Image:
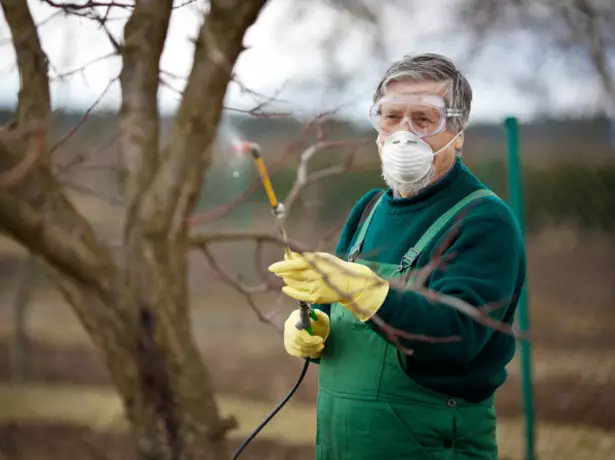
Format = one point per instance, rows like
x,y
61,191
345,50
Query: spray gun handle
x,y
305,314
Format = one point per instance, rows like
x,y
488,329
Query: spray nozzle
x,y
247,147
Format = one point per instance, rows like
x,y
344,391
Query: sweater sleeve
x,y
486,266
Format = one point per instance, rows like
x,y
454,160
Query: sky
x,y
285,56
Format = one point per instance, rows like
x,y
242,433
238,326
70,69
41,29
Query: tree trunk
x,y
136,312
165,388
173,413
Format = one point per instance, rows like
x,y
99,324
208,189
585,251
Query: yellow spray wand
x,y
277,209
306,311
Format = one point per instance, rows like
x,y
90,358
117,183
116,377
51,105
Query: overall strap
x,y
363,225
415,251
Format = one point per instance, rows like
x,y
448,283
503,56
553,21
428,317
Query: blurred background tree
x,y
579,33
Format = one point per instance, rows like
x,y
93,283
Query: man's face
x,y
447,156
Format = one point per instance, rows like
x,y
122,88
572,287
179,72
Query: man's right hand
x,y
300,343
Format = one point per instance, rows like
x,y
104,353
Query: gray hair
x,y
437,68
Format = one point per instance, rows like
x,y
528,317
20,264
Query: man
x,y
377,400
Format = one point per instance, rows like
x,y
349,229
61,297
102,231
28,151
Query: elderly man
x,y
376,400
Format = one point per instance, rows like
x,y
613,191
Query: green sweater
x,y
487,267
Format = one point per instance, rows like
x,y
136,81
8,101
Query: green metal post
x,y
515,198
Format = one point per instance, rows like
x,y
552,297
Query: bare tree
x,y
136,312
581,30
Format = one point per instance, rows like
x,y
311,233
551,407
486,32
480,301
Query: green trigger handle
x,y
306,312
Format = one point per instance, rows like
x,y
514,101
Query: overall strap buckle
x,y
435,228
408,259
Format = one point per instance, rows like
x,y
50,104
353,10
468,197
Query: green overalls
x,y
369,409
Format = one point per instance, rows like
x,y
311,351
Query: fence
x,y
564,376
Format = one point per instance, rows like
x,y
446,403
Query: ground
x,y
67,409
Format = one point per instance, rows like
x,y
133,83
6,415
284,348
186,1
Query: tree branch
x,y
34,100
34,152
144,37
82,120
87,5
246,291
185,157
63,238
594,41
226,208
59,247
204,239
304,178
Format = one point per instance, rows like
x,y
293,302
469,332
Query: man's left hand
x,y
323,278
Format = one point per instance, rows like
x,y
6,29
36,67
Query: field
x,y
67,409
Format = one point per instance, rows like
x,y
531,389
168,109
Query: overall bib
x,y
369,409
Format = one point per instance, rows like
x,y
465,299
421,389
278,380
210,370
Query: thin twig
x,y
245,291
82,120
85,66
87,5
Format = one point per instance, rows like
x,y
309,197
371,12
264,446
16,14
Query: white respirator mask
x,y
407,161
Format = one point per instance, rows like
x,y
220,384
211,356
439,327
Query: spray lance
x,y
306,312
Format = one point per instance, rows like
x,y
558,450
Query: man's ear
x,y
459,142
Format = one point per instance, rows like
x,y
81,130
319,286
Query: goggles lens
x,y
425,115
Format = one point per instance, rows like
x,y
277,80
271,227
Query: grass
x,y
99,409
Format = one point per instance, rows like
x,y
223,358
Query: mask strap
x,y
448,143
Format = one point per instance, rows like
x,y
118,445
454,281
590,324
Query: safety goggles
x,y
424,114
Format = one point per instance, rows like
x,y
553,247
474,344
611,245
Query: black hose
x,y
275,411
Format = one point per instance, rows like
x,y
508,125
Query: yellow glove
x,y
323,278
300,343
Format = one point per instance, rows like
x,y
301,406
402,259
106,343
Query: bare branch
x,y
36,146
264,100
204,239
34,105
34,101
305,179
87,5
595,44
82,120
256,111
247,292
34,152
172,195
227,208
83,67
479,314
144,37
257,95
16,42
570,26
55,244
